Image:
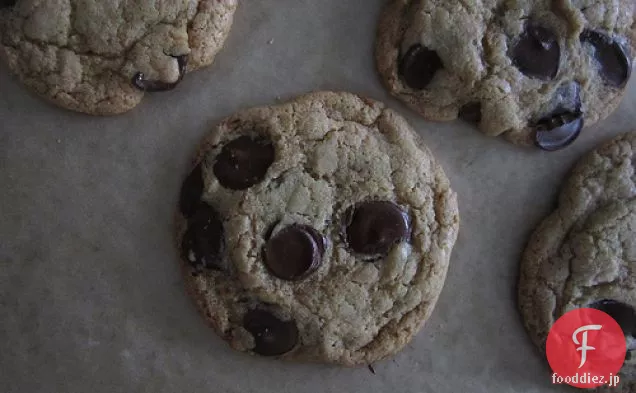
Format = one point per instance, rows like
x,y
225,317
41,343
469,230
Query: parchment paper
x,y
91,299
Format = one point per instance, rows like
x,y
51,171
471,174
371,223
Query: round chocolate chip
x,y
622,313
7,3
614,63
294,252
418,66
558,131
191,191
272,336
244,162
374,227
203,243
471,113
537,53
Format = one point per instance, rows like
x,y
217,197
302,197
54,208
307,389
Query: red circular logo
x,y
586,349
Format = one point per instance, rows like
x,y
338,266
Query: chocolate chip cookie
x,y
584,253
535,72
316,230
100,57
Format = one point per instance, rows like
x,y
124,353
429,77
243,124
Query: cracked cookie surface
x,y
316,230
535,72
83,54
584,253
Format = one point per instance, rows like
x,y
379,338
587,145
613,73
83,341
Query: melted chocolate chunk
x,y
272,337
537,53
150,86
191,191
374,227
614,63
244,162
418,66
622,313
471,113
558,131
203,243
294,252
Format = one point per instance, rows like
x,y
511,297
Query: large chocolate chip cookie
x,y
535,72
99,57
316,230
584,254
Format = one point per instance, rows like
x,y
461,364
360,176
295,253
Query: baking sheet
x,y
91,298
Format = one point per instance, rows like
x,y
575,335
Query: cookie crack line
x,y
40,43
121,55
574,256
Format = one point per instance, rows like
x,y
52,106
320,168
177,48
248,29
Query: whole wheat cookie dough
x,y
535,72
316,230
99,57
584,253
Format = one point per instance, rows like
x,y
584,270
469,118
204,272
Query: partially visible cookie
x,y
99,57
316,230
534,72
584,254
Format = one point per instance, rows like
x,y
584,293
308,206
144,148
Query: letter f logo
x,y
573,336
584,347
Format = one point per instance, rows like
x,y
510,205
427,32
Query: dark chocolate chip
x,y
272,336
244,162
374,227
141,83
418,66
203,243
7,3
191,191
614,62
558,130
294,252
622,313
471,113
537,53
